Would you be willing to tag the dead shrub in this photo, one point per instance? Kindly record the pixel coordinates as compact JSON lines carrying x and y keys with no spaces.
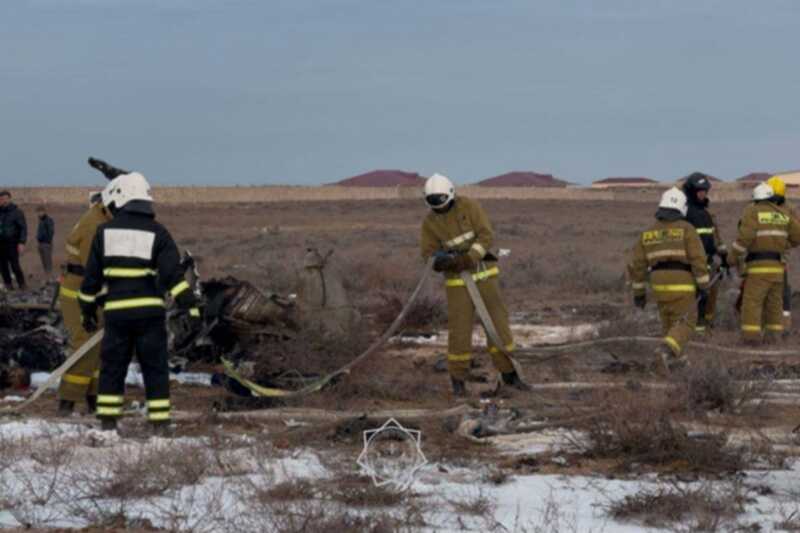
{"x":703,"y":508}
{"x":475,"y":503}
{"x":639,"y":428}
{"x":708,"y":385}
{"x":427,"y":313}
{"x":359,"y":491}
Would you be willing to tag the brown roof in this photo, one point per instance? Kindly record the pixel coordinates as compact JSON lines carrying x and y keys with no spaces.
{"x":384,"y":178}
{"x":755,"y":176}
{"x":523,"y":179}
{"x":627,"y":180}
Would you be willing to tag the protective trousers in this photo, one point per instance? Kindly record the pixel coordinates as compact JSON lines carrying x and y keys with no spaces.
{"x":762,"y":306}
{"x":678,"y":321}
{"x":706,"y":309}
{"x":148,"y":337}
{"x":460,"y":321}
{"x":80,"y":380}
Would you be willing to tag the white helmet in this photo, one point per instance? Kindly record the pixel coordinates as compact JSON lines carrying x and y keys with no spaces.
{"x":127,"y":188}
{"x":105,"y":194}
{"x":674,"y":198}
{"x":763,"y":191}
{"x":439,"y":191}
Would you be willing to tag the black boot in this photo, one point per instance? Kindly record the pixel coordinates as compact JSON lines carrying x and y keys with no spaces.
{"x":91,"y":404}
{"x":459,"y":388}
{"x":108,"y":424}
{"x":512,"y":379}
{"x":65,"y":407}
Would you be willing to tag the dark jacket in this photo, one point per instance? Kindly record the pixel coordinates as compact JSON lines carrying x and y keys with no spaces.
{"x":12,"y":225}
{"x":137,"y":261}
{"x":46,"y":230}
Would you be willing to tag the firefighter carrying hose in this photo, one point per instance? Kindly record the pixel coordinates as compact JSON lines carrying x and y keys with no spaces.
{"x":767,"y":230}
{"x":80,"y":381}
{"x":696,"y":188}
{"x":458,"y":233}
{"x":672,"y":254}
{"x":132,"y":264}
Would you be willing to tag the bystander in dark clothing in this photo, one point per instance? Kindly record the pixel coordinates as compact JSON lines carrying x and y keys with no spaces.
{"x":13,"y":234}
{"x":44,"y":237}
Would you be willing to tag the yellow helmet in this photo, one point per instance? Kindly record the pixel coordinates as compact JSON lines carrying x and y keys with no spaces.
{"x":778,"y":185}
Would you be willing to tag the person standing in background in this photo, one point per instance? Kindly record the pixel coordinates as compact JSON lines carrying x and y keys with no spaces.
{"x":13,"y":235}
{"x":44,"y":237}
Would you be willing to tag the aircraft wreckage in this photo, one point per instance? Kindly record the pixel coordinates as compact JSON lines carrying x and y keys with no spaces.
{"x":243,"y":327}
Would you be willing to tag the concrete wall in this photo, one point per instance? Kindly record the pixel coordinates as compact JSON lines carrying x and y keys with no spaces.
{"x":196,"y":195}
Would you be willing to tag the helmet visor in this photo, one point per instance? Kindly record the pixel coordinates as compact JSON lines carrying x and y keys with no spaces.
{"x":437,"y":200}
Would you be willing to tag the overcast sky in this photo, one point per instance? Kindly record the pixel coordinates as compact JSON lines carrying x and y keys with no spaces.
{"x":305,"y":92}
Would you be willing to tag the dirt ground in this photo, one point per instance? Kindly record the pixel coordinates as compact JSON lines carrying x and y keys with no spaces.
{"x":565,"y":266}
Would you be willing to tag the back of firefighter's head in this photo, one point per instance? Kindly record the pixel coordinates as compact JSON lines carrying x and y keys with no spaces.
{"x":696,"y":188}
{"x":439,"y":192}
{"x":778,"y":189}
{"x":762,"y":192}
{"x":674,"y":199}
{"x":128,"y":192}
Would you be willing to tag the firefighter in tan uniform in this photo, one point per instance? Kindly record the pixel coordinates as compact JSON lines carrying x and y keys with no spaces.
{"x":779,"y":189}
{"x":459,"y":235}
{"x":673,"y":255}
{"x":766,"y":231}
{"x":80,"y":381}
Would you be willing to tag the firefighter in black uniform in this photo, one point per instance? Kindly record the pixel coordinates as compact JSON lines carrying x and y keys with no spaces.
{"x":133,"y":263}
{"x":696,"y":188}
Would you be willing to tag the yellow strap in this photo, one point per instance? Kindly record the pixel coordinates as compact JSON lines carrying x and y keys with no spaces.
{"x":86,"y":297}
{"x":110,"y":399}
{"x":459,"y":357}
{"x":195,"y":312}
{"x":179,"y":288}
{"x":72,"y":250}
{"x":158,"y":415}
{"x":674,"y":288}
{"x":774,"y":327}
{"x":672,"y":343}
{"x":703,"y":279}
{"x":705,"y":231}
{"x":765,"y":270}
{"x":76,"y":380}
{"x":115,"y":272}
{"x":478,"y":248}
{"x":638,"y":285}
{"x":254,"y":388}
{"x":158,"y":404}
{"x":109,"y":411}
{"x":68,"y":293}
{"x":748,"y":327}
{"x":461,"y":238}
{"x":133,"y":302}
{"x":480,"y":276}
{"x":509,"y":348}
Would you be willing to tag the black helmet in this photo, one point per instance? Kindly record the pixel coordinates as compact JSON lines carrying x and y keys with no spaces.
{"x":696,"y":181}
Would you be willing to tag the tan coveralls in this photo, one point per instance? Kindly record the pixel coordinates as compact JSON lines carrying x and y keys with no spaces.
{"x":80,"y":380}
{"x":674,"y":256}
{"x":466,"y":228}
{"x":766,"y":231}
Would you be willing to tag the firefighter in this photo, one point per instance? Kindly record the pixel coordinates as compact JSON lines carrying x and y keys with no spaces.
{"x":457,"y":231}
{"x":696,"y":188}
{"x":673,"y":255}
{"x":134,"y":262}
{"x":779,"y":189}
{"x":767,"y":230}
{"x":80,"y":381}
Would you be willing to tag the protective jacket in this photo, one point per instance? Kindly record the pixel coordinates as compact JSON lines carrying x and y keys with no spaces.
{"x":78,"y":245}
{"x":13,"y":228}
{"x":673,"y":255}
{"x":705,"y":224}
{"x":134,"y":261}
{"x":463,"y":228}
{"x":766,"y":232}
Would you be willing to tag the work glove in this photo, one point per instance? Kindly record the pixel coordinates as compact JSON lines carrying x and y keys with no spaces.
{"x":443,"y":261}
{"x":640,"y":300}
{"x":89,"y":321}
